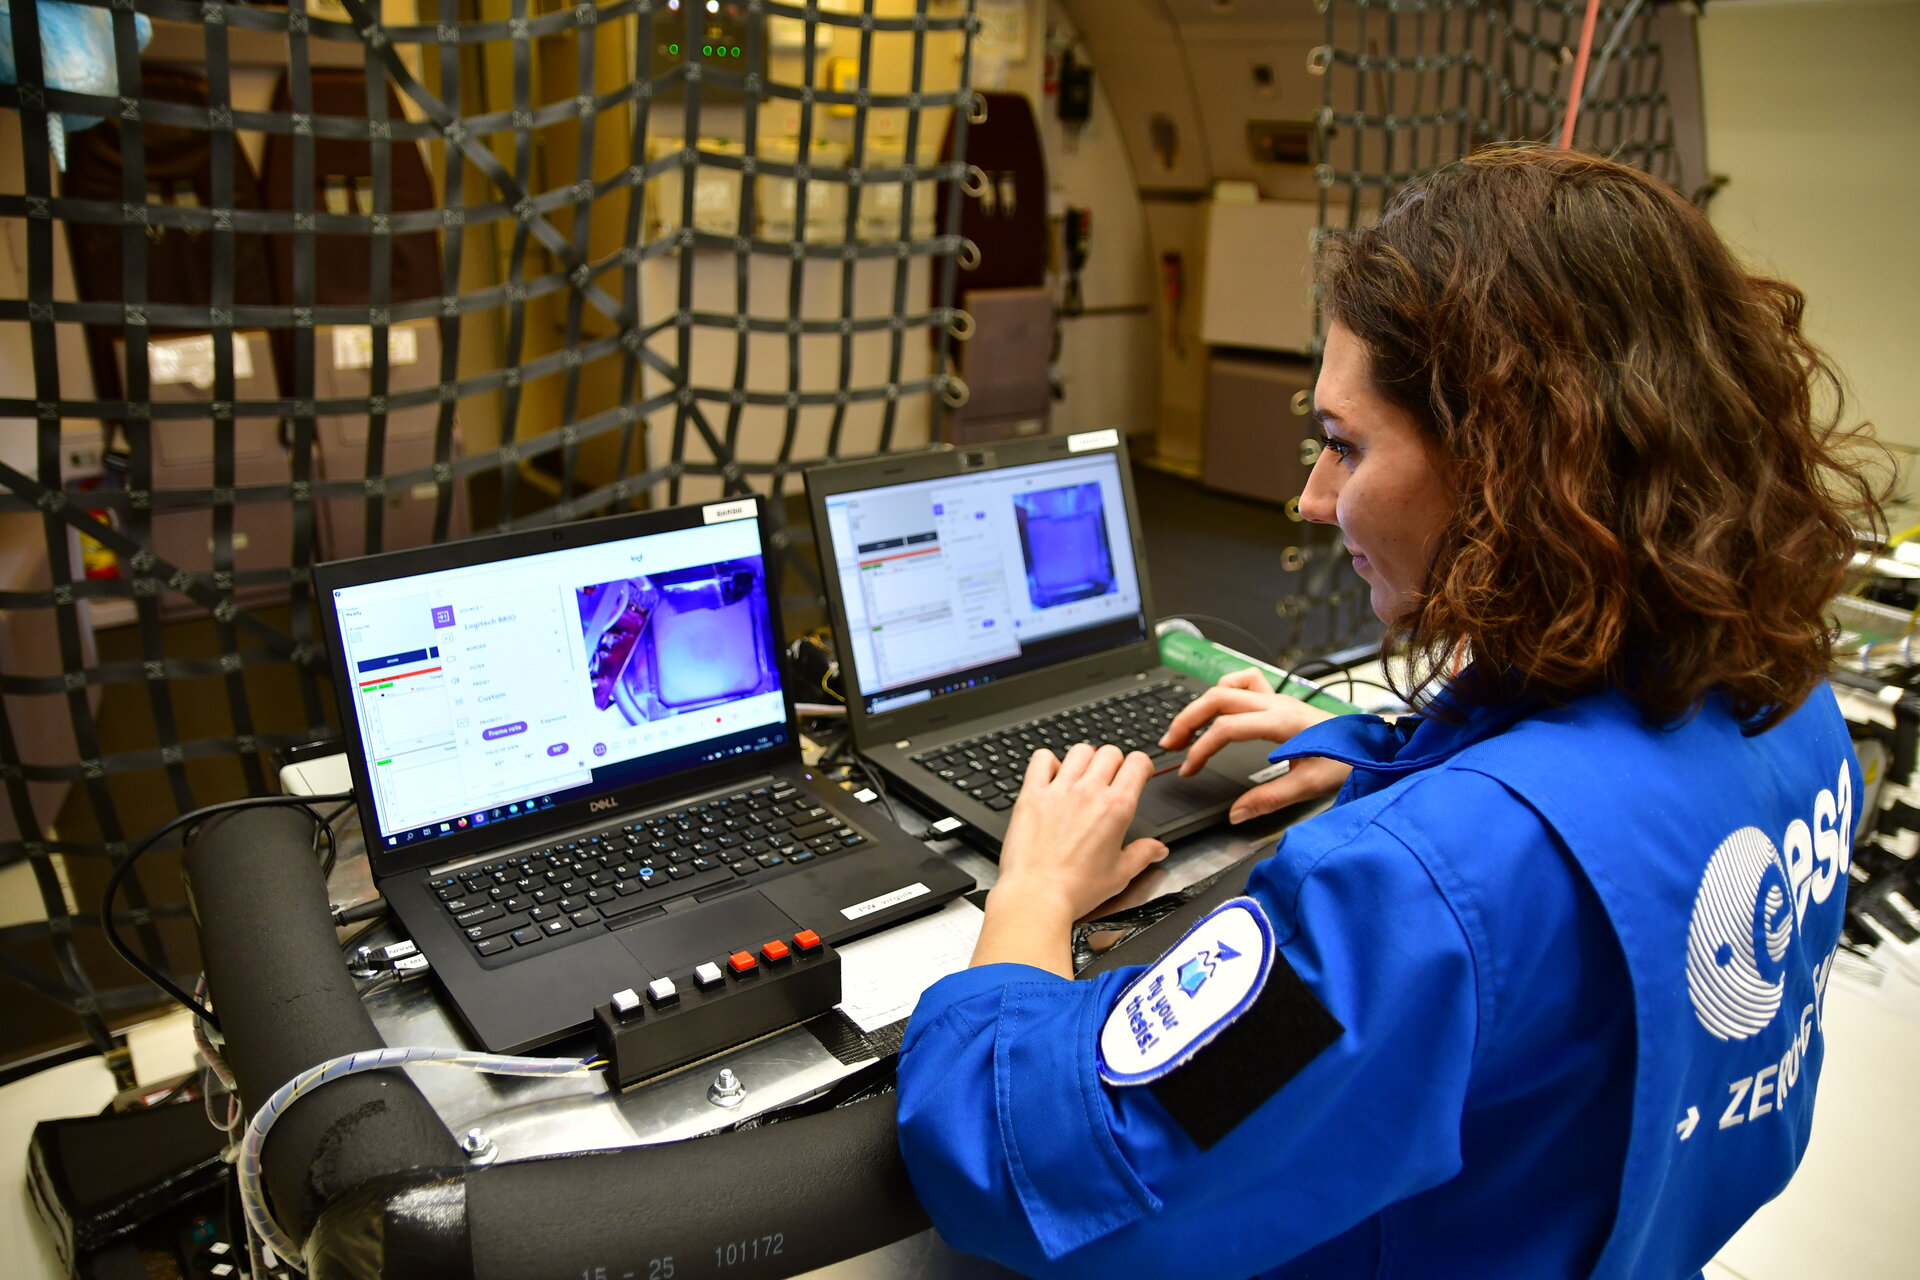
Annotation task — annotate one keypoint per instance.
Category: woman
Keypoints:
(1540, 995)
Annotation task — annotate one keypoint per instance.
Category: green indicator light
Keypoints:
(736, 51)
(673, 48)
(707, 49)
(378, 763)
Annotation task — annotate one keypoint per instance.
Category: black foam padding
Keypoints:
(773, 1201)
(841, 1036)
(412, 1227)
(286, 1002)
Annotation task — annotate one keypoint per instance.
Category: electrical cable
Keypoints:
(840, 756)
(326, 823)
(247, 1168)
(1348, 679)
(879, 787)
(1607, 51)
(192, 818)
(1574, 97)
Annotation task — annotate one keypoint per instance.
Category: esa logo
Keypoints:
(1751, 898)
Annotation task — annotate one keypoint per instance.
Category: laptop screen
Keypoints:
(493, 691)
(957, 581)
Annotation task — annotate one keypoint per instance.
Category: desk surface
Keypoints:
(530, 1118)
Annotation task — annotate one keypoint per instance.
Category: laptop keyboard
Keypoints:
(580, 883)
(990, 767)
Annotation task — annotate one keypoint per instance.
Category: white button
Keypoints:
(708, 975)
(661, 990)
(625, 1001)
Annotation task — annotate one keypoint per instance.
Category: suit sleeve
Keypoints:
(1022, 1153)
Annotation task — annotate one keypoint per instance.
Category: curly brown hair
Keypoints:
(1647, 497)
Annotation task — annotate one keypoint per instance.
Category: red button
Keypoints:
(742, 962)
(807, 940)
(775, 950)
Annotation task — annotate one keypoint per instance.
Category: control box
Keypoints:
(727, 1000)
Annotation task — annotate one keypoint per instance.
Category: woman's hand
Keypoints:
(1244, 709)
(1063, 839)
(1062, 856)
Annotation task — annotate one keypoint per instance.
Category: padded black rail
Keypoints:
(366, 1175)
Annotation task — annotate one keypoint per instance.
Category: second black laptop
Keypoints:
(993, 600)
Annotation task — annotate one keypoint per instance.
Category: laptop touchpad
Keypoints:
(1171, 797)
(739, 921)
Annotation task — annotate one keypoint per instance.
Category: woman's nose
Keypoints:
(1317, 500)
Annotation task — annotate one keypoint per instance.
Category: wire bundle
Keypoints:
(248, 1165)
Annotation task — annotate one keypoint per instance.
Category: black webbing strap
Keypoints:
(32, 101)
(300, 422)
(379, 292)
(453, 240)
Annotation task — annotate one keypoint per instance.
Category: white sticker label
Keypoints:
(1189, 995)
(1271, 772)
(866, 795)
(946, 826)
(885, 900)
(719, 512)
(173, 361)
(353, 346)
(1085, 440)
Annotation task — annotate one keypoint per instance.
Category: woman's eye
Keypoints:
(1339, 448)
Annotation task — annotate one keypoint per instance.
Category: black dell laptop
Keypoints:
(578, 767)
(992, 600)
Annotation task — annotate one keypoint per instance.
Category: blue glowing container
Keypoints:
(1063, 535)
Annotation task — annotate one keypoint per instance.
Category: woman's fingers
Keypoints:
(1074, 763)
(1216, 701)
(1310, 778)
(1143, 853)
(1135, 771)
(1247, 726)
(1041, 766)
(1103, 765)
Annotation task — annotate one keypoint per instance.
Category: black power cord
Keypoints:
(190, 819)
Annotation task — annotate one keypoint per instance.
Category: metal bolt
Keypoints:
(726, 1089)
(479, 1147)
(360, 964)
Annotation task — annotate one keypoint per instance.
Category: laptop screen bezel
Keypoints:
(586, 810)
(1010, 693)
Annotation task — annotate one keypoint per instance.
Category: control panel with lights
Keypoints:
(728, 999)
(708, 32)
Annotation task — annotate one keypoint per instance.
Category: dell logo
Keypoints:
(607, 802)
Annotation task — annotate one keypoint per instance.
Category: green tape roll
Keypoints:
(1204, 660)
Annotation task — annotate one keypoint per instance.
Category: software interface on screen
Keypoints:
(488, 693)
(965, 579)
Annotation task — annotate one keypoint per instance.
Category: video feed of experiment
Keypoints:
(962, 580)
(488, 693)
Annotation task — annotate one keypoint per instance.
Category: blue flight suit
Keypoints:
(1575, 967)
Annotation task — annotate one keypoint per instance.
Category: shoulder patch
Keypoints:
(1188, 996)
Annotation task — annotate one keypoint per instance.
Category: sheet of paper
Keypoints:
(882, 977)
